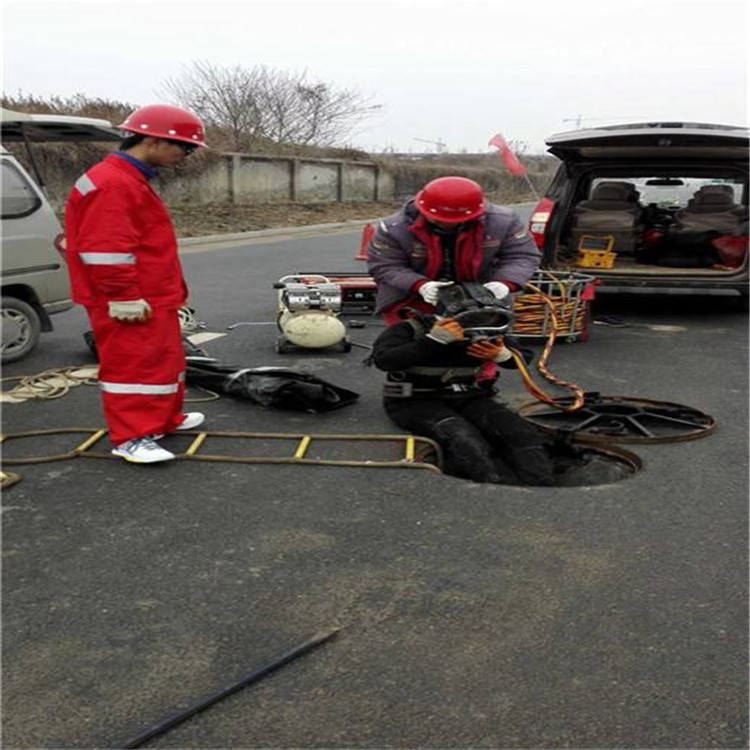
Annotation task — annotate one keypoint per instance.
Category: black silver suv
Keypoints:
(660, 205)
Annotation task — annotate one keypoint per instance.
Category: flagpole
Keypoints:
(512, 162)
(531, 187)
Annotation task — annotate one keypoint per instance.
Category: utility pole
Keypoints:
(576, 120)
(439, 145)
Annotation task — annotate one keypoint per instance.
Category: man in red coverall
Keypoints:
(124, 268)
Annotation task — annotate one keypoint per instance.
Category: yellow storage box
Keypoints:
(595, 251)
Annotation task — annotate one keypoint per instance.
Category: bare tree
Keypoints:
(261, 102)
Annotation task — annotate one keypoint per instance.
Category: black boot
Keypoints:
(468, 454)
(533, 465)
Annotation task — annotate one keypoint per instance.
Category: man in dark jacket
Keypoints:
(448, 233)
(441, 384)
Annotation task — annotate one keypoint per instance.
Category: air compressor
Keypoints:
(308, 316)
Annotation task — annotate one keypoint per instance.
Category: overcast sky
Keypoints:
(456, 72)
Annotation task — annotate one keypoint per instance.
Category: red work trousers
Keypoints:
(141, 373)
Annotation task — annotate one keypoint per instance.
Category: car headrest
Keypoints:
(714, 197)
(615, 191)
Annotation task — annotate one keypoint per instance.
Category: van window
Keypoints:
(19, 197)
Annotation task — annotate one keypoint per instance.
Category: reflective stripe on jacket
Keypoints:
(121, 243)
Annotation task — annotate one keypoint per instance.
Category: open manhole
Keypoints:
(575, 465)
(589, 466)
(620, 419)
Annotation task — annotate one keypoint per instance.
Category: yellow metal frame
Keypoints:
(411, 459)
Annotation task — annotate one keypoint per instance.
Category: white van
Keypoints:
(33, 273)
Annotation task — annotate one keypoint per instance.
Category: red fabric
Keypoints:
(391, 315)
(511, 285)
(651, 237)
(148, 353)
(488, 372)
(732, 250)
(468, 264)
(117, 211)
(589, 292)
(468, 250)
(510, 160)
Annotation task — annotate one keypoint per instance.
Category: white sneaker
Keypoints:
(142, 451)
(190, 420)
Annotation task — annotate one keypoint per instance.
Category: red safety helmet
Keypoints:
(451, 199)
(163, 121)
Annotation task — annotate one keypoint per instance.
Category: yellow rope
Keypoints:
(556, 309)
(533, 312)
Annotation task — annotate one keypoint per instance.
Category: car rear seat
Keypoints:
(711, 209)
(612, 209)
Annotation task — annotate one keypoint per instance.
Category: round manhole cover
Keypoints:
(621, 419)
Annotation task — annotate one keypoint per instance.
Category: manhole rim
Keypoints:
(594, 439)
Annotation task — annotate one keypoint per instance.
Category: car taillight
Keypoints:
(61, 246)
(540, 220)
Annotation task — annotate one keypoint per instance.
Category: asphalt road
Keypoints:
(610, 616)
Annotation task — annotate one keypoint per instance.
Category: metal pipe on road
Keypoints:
(250, 678)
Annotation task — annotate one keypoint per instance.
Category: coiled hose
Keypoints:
(530, 320)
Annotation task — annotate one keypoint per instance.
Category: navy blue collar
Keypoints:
(150, 172)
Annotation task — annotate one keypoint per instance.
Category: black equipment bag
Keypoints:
(276, 387)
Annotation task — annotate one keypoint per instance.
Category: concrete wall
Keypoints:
(247, 178)
(257, 180)
(210, 187)
(317, 181)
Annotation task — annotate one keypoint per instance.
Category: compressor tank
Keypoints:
(311, 329)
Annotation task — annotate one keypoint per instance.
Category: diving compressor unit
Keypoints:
(308, 317)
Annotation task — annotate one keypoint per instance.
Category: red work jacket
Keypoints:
(121, 243)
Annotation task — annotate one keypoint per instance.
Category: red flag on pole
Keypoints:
(509, 158)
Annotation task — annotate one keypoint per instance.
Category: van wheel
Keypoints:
(21, 328)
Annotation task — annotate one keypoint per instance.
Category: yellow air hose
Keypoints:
(531, 316)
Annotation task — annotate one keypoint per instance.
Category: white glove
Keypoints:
(431, 289)
(129, 311)
(500, 290)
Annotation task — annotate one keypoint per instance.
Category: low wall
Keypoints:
(248, 178)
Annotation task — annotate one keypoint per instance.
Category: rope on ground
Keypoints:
(211, 395)
(57, 382)
(49, 384)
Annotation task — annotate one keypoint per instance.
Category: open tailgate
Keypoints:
(660, 140)
(19, 126)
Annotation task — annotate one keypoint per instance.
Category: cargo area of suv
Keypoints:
(650, 205)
